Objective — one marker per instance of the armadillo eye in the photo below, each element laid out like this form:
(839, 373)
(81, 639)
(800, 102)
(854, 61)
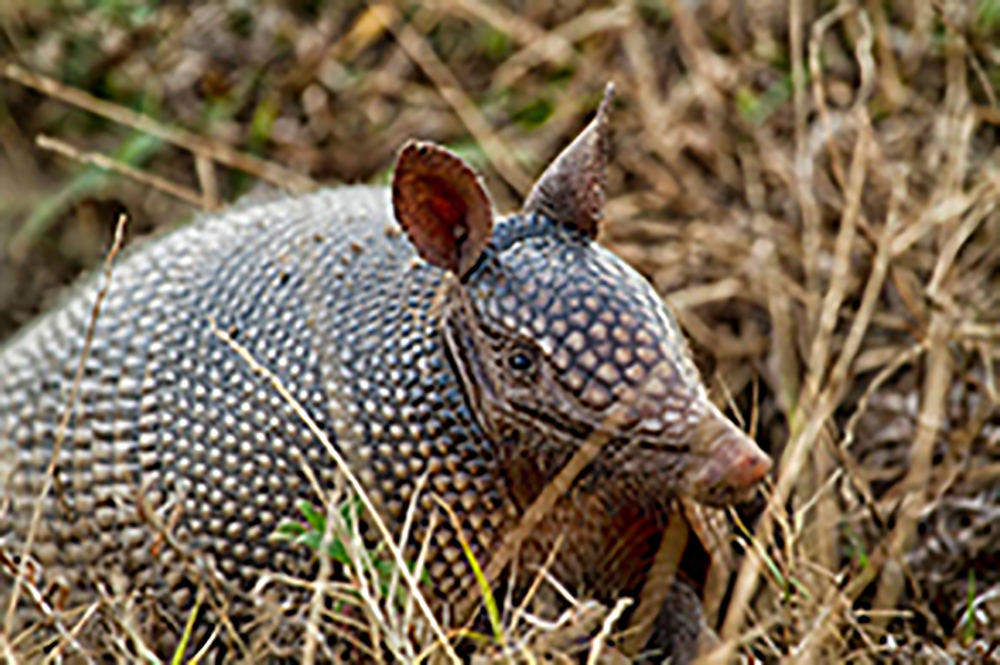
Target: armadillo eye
(519, 361)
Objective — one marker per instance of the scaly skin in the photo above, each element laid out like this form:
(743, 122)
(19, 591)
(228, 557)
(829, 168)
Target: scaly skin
(421, 336)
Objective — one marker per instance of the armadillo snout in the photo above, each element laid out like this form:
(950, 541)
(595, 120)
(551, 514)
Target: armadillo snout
(732, 465)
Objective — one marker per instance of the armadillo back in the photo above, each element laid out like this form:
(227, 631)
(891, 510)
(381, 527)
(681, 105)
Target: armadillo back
(323, 292)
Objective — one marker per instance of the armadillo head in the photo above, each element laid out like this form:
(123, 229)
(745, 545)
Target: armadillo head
(558, 341)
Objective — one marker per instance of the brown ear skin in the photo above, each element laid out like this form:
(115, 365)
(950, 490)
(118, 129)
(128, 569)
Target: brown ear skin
(442, 206)
(571, 190)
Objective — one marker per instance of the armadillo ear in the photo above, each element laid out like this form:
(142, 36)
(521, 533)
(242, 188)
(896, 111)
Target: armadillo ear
(441, 204)
(571, 191)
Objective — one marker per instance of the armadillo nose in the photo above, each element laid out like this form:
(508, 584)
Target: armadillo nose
(733, 465)
(749, 468)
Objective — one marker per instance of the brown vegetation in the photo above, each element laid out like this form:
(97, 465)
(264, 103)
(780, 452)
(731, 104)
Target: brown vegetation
(813, 185)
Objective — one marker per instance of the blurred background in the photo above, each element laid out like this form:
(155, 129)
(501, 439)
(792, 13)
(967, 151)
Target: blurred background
(812, 184)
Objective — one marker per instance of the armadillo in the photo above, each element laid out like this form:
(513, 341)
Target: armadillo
(424, 334)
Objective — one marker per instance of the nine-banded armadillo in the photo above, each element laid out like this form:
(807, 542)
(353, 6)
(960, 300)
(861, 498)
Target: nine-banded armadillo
(421, 333)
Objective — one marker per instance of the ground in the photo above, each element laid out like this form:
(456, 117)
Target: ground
(812, 185)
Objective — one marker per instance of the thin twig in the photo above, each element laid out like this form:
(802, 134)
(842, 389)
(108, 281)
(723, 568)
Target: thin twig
(102, 161)
(915, 485)
(450, 88)
(199, 145)
(50, 472)
(597, 644)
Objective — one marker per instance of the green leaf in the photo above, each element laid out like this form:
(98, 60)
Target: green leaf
(534, 114)
(484, 587)
(316, 519)
(261, 124)
(987, 15)
(182, 646)
(134, 151)
(855, 548)
(757, 109)
(350, 510)
(798, 586)
(288, 530)
(311, 539)
(495, 45)
(969, 632)
(338, 552)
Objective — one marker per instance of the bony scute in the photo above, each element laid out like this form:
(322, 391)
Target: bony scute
(456, 365)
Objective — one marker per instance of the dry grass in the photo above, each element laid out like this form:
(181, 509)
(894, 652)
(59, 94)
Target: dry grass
(813, 185)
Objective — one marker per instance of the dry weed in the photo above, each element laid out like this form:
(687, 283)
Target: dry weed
(812, 185)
